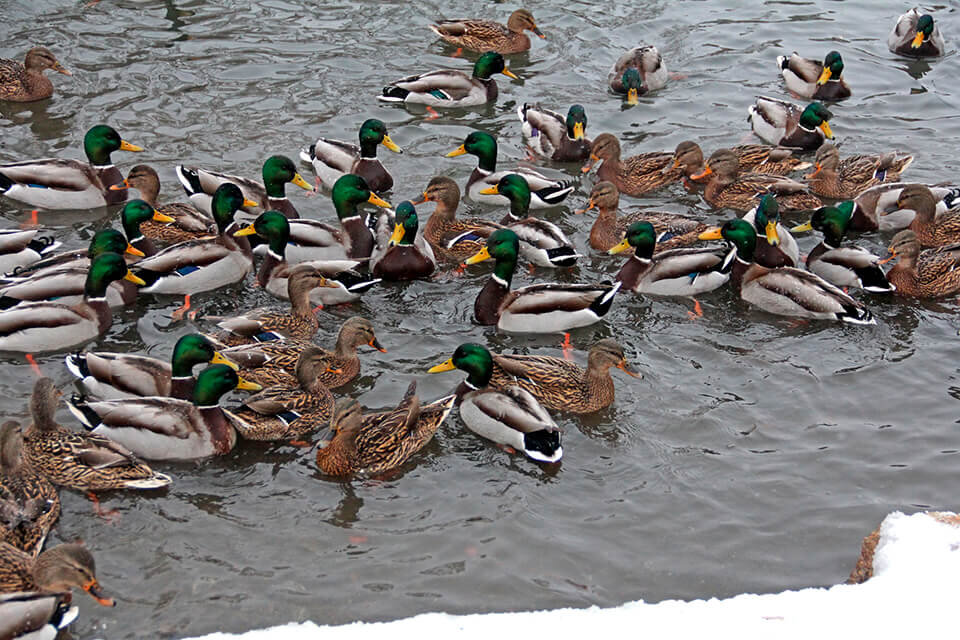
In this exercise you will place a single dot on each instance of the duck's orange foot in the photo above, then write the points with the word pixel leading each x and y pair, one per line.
pixel 110 515
pixel 317 308
pixel 697 310
pixel 567 347
pixel 434 114
pixel 508 449
pixel 299 443
pixel 457 53
pixel 34 365
pixel 179 312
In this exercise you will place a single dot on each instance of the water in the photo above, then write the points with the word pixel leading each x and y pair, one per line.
pixel 754 455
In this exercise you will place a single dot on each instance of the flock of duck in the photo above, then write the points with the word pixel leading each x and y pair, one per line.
pixel 135 407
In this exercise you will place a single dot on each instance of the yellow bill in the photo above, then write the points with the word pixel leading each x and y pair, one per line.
pixel 300 182
pixel 126 146
pixel 711 234
pixel 134 279
pixel 772 236
pixel 247 386
pixel 459 151
pixel 162 217
pixel 633 96
pixel 917 40
pixel 806 226
pixel 219 358
pixel 491 191
pixel 444 366
pixel 825 127
pixel 509 74
pixel 250 203
pixel 390 144
pixel 824 75
pixel 374 199
pixel 248 230
pixel 132 250
pixel 397 235
pixel 578 131
pixel 620 248
pixel 479 256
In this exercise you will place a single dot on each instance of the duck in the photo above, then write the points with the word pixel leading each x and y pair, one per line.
pixel 879 207
pixel 843 266
pixel 728 188
pixel 20 248
pixel 775 246
pixel 487 35
pixel 450 88
pixel 53 183
pixel 916 35
pixel 103 241
pixel 637 72
pixel 134 214
pixel 200 185
pixel 332 158
pixel 675 272
pixel 452 239
pixel 36 615
pixel 348 192
pixel 81 461
pixel 561 384
pixel 786 291
pixel 62 568
pixel 541 242
pixel 509 416
pixel 26 82
pixel 811 79
pixel 846 179
pixel 931 273
pixel 754 158
pixel 539 308
pixel 162 428
pixel 634 176
pixel 933 229
pixel 405 255
pixel 785 124
pixel 29 503
pixel 552 136
pixel 608 229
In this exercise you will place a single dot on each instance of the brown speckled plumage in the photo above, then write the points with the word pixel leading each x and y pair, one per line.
pixel 443 226
pixel 26 82
pixel 846 179
pixel 924 274
pixel 729 188
pixel 29 504
pixel 487 35
pixel 635 175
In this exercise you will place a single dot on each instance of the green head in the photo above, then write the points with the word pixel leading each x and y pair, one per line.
pixel 834 62
pixel 212 383
pixel 742 236
pixel 490 63
pixel 924 30
pixel 481 144
pixel 348 192
pixel 372 133
pixel 109 240
pixel 815 116
pixel 642 237
pixel 102 140
pixel 226 200
pixel 767 218
pixel 133 215
pixel 273 227
pixel 406 224
pixel 193 349
pixel 277 172
pixel 515 187
pixel 576 122
pixel 472 358
pixel 104 269
pixel 503 246
pixel 833 222
pixel 632 84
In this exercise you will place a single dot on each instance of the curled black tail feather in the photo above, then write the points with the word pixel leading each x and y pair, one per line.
pixel 395 93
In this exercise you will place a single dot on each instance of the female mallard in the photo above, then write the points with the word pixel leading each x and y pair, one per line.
pixel 450 88
pixel 453 239
pixel 540 308
pixel 879 208
pixel 487 35
pixel 52 183
pixel 544 192
pixel 331 159
pixel 930 273
pixel 637 174
pixel 552 136
pixel 26 82
pixel 638 71
pixel 20 248
pixel 916 35
pixel 727 187
pixel 811 79
pixel 405 255
pixel 785 124
pixel 159 428
pixel 36 614
pixel 61 568
pixel 775 246
pixel 848 266
pixel 80 460
pixel 541 242
pixel 754 158
pixel 786 291
pixel 29 504
pixel 846 179
pixel 560 384
pixel 508 416
pixel 933 229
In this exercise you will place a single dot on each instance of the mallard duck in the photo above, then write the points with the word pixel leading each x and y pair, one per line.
pixel 332 158
pixel 201 184
pixel 563 385
pixel 879 208
pixel 348 192
pixel 754 158
pixel 932 229
pixel 80 460
pixel 811 79
pixel 450 88
pixel 676 272
pixel 26 82
pixel 637 174
pixel 132 216
pixel 52 183
pixel 453 239
pixel 638 71
pixel 785 124
pixel 540 308
pixel 50 326
pixel 608 229
pixel 848 266
pixel 916 35
pixel 930 273
pixel 544 193
pixel 161 428
pixel 846 179
pixel 35 615
pixel 405 255
pixel 61 568
pixel 487 35
pixel 552 136
pixel 541 242
pixel 29 504
pixel 775 246
pixel 727 187
pixel 786 291
pixel 20 248
pixel 509 416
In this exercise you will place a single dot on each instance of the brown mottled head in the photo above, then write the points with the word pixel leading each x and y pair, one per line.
pixel 522 19
pixel 688 155
pixel 43 404
pixel 66 566
pixel 304 278
pixel 905 244
pixel 144 179
pixel 605 196
pixel 444 192
pixel 827 157
pixel 40 58
pixel 10 444
pixel 608 353
pixel 347 417
pixel 605 147
pixel 357 331
pixel 919 198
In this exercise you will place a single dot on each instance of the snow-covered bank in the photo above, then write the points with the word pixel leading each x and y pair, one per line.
pixel 916 573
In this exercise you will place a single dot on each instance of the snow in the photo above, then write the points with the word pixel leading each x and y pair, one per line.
pixel 916 575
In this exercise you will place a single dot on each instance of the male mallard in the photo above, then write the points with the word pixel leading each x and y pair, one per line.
pixel 638 71
pixel 848 266
pixel 20 248
pixel 160 428
pixel 450 88
pixel 785 124
pixel 846 179
pixel 348 192
pixel 811 79
pixel 879 208
pixel 487 35
pixel 544 192
pixel 331 159
pixel 933 229
pixel 552 136
pixel 563 385
pixel 103 241
pixel 637 174
pixel 754 158
pixel 405 255
pixel 36 615
pixel 930 273
pixel 727 187
pixel 540 308
pixel 916 35
pixel 80 460
pixel 786 291
pixel 510 416
pixel 453 239
pixel 29 504
pixel 52 183
pixel 26 82
pixel 134 214
pixel 58 569
pixel 775 246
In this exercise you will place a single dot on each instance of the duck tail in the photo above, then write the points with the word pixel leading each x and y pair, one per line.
pixel 307 154
pixel 556 194
pixel 393 94
pixel 602 305
pixel 190 179
pixel 5 183
pixel 562 256
pixel 873 280
pixel 783 62
pixel 44 245
pixel 87 416
pixel 77 364
pixel 543 445
pixel 856 315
